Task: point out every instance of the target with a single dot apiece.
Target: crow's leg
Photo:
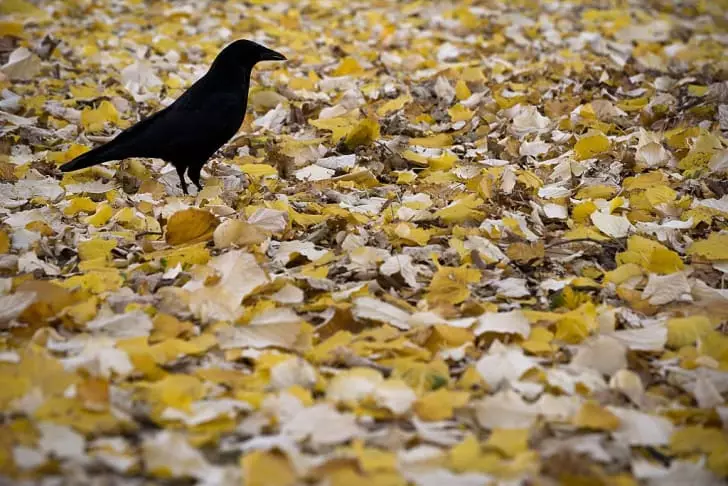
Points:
(193, 170)
(181, 171)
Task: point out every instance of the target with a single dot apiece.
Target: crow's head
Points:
(246, 53)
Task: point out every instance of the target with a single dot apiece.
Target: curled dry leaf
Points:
(190, 225)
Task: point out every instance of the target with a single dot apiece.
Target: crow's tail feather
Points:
(90, 158)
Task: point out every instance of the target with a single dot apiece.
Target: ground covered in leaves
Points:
(464, 244)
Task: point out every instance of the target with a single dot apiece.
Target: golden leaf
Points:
(190, 225)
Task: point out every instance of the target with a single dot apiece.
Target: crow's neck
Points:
(230, 79)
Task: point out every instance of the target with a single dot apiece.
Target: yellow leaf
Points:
(339, 126)
(73, 151)
(440, 140)
(593, 143)
(443, 162)
(526, 252)
(460, 113)
(348, 66)
(237, 232)
(393, 105)
(697, 90)
(539, 341)
(21, 7)
(462, 91)
(4, 241)
(95, 281)
(714, 247)
(685, 331)
(172, 349)
(176, 391)
(529, 179)
(372, 460)
(101, 216)
(94, 119)
(192, 254)
(599, 191)
(644, 181)
(594, 416)
(440, 404)
(461, 210)
(82, 312)
(623, 273)
(472, 74)
(577, 324)
(450, 284)
(84, 92)
(35, 369)
(580, 232)
(190, 225)
(14, 29)
(582, 211)
(680, 138)
(510, 442)
(650, 255)
(71, 412)
(660, 194)
(410, 233)
(444, 336)
(634, 104)
(96, 248)
(417, 158)
(405, 176)
(79, 205)
(264, 468)
(258, 171)
(364, 133)
(698, 438)
(465, 454)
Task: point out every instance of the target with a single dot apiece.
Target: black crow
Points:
(190, 130)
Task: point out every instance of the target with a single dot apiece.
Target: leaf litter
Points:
(470, 243)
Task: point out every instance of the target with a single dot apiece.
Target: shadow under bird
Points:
(190, 130)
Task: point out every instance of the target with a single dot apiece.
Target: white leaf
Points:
(378, 310)
(614, 226)
(61, 441)
(314, 173)
(289, 249)
(11, 306)
(272, 220)
(604, 354)
(323, 425)
(394, 395)
(22, 65)
(239, 273)
(664, 289)
(403, 265)
(205, 411)
(527, 120)
(294, 371)
(274, 119)
(131, 324)
(282, 335)
(340, 162)
(169, 451)
(139, 77)
(513, 322)
(641, 429)
(503, 363)
(290, 294)
(534, 149)
(651, 338)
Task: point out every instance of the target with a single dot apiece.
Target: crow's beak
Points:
(271, 55)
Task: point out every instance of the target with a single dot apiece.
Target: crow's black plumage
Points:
(190, 130)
